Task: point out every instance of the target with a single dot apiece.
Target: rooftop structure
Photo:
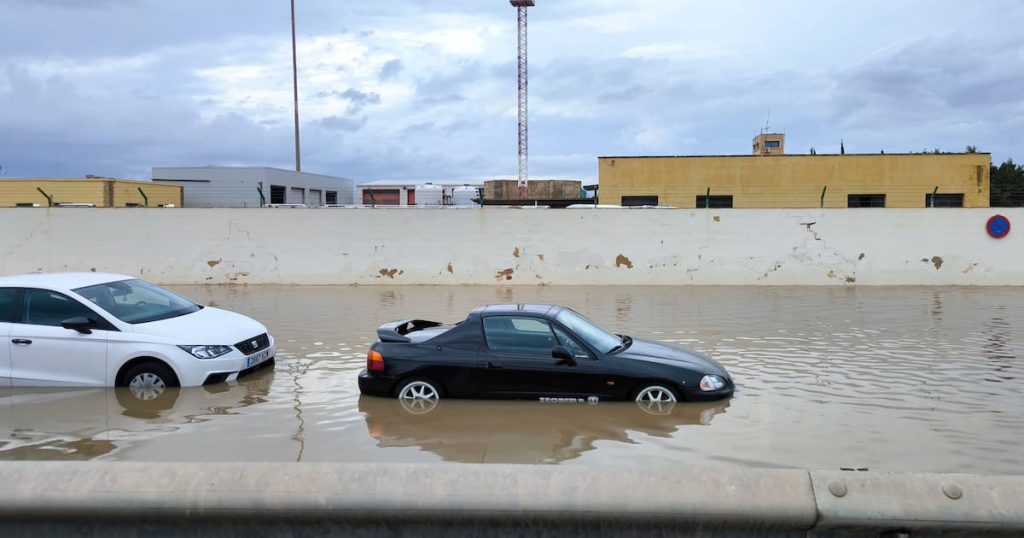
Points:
(254, 186)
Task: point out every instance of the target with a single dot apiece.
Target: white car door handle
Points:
(21, 341)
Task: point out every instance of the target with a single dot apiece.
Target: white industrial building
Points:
(460, 192)
(254, 186)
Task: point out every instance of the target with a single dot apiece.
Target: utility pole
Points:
(295, 93)
(521, 6)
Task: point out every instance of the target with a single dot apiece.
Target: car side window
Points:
(44, 307)
(519, 335)
(7, 304)
(570, 343)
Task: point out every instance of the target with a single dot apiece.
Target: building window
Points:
(634, 201)
(865, 200)
(332, 197)
(277, 194)
(714, 202)
(944, 200)
(772, 144)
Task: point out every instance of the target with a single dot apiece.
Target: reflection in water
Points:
(997, 347)
(893, 379)
(521, 432)
(81, 424)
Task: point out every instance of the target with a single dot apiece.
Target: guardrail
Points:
(260, 499)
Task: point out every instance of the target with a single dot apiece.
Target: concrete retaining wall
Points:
(254, 499)
(519, 246)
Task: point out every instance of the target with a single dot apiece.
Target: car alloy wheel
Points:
(418, 390)
(656, 394)
(147, 386)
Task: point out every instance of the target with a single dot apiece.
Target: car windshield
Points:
(137, 301)
(597, 337)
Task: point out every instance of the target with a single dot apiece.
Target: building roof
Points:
(744, 156)
(421, 182)
(82, 179)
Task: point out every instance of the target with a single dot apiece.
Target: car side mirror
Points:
(80, 324)
(563, 355)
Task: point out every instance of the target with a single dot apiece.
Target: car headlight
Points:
(207, 352)
(711, 382)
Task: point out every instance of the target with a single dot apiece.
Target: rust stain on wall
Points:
(850, 280)
(390, 273)
(506, 274)
(213, 263)
(861, 257)
(937, 261)
(540, 257)
(717, 218)
(451, 269)
(621, 261)
(516, 252)
(831, 274)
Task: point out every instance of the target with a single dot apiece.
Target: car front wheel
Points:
(148, 380)
(655, 394)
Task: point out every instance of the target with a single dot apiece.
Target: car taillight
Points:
(374, 361)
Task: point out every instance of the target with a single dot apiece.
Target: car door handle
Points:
(21, 341)
(495, 365)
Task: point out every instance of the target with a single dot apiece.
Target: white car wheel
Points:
(656, 394)
(419, 390)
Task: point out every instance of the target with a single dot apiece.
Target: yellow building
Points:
(794, 181)
(98, 192)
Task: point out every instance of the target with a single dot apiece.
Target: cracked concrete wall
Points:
(521, 247)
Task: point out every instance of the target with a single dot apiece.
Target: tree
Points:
(972, 149)
(1006, 187)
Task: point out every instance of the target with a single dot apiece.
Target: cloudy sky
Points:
(425, 89)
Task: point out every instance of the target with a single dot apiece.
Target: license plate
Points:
(253, 360)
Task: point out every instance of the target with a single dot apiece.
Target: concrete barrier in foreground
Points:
(259, 499)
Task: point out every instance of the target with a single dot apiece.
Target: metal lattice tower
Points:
(521, 6)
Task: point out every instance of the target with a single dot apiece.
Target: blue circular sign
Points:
(998, 226)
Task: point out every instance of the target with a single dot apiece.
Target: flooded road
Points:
(890, 379)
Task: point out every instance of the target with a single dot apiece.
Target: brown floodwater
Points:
(890, 379)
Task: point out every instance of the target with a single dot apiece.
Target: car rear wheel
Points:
(655, 394)
(419, 389)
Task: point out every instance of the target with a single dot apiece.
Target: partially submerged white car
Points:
(95, 329)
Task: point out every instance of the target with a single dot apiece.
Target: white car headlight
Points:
(711, 382)
(207, 352)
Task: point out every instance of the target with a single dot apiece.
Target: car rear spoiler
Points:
(396, 330)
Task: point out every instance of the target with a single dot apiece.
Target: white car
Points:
(94, 329)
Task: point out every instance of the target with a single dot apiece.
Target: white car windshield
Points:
(597, 337)
(137, 301)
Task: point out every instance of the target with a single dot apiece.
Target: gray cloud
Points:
(342, 123)
(391, 69)
(73, 4)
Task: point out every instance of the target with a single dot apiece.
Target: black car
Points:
(540, 352)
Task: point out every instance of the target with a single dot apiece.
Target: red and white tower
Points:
(521, 6)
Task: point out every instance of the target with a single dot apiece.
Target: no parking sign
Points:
(998, 226)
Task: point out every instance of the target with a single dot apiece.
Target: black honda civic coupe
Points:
(544, 352)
